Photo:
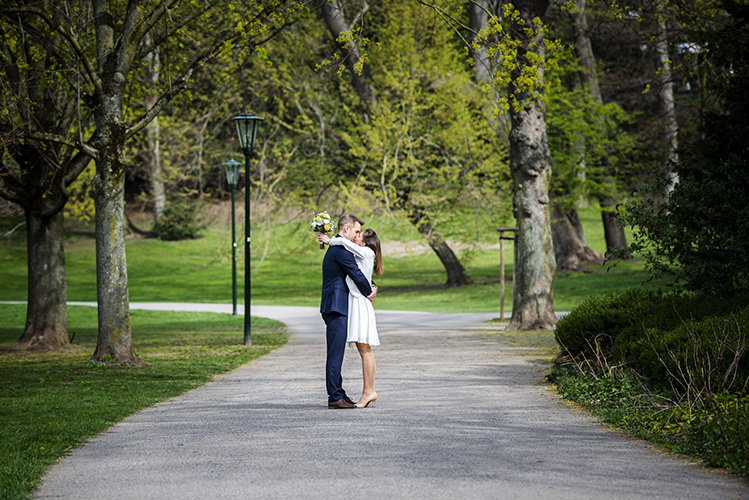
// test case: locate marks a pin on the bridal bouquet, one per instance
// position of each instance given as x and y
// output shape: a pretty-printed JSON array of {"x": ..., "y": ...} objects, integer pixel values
[{"x": 322, "y": 223}]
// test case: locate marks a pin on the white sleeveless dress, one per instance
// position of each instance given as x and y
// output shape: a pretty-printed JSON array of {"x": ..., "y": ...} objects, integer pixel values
[{"x": 362, "y": 326}]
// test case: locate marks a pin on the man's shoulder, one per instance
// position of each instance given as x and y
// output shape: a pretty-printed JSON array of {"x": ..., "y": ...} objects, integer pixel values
[{"x": 334, "y": 253}]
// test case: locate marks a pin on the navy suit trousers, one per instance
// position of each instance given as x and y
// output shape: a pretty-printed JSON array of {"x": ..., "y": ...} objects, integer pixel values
[{"x": 336, "y": 330}]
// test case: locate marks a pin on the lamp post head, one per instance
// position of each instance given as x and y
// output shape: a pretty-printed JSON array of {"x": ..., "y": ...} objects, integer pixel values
[
  {"x": 232, "y": 172},
  {"x": 247, "y": 130}
]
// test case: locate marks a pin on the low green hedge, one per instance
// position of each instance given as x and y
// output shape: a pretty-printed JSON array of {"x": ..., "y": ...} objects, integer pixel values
[{"x": 657, "y": 334}]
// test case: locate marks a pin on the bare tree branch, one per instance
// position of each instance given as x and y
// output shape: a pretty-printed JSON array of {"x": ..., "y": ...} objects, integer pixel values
[
  {"x": 75, "y": 166},
  {"x": 156, "y": 15},
  {"x": 59, "y": 139},
  {"x": 90, "y": 71},
  {"x": 181, "y": 82}
]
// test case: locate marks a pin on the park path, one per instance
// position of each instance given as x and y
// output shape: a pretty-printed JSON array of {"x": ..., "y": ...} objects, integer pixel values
[{"x": 461, "y": 414}]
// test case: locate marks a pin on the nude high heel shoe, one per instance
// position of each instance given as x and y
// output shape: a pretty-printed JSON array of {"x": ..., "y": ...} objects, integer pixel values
[{"x": 371, "y": 399}]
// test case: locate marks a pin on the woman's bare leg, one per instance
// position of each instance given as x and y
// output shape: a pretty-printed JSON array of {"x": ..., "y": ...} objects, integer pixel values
[{"x": 368, "y": 371}]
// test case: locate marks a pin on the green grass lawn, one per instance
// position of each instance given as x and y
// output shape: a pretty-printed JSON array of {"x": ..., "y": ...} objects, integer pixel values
[
  {"x": 287, "y": 270},
  {"x": 53, "y": 401}
]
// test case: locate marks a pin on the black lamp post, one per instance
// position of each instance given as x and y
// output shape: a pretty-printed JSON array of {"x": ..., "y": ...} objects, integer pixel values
[
  {"x": 247, "y": 132},
  {"x": 232, "y": 177}
]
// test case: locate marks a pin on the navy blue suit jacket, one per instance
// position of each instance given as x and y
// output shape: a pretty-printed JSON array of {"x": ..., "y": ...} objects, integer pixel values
[{"x": 338, "y": 263}]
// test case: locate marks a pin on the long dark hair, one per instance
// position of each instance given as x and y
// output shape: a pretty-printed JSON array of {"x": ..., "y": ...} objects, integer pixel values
[{"x": 372, "y": 241}]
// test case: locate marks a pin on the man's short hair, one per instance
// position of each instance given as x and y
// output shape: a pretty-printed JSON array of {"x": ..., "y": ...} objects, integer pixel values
[{"x": 349, "y": 219}]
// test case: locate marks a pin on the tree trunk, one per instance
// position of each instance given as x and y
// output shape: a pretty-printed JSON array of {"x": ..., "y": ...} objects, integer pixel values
[
  {"x": 533, "y": 302},
  {"x": 114, "y": 338},
  {"x": 114, "y": 341},
  {"x": 615, "y": 237},
  {"x": 456, "y": 273},
  {"x": 478, "y": 17},
  {"x": 157, "y": 179},
  {"x": 666, "y": 95},
  {"x": 574, "y": 219},
  {"x": 570, "y": 252},
  {"x": 614, "y": 234},
  {"x": 332, "y": 13},
  {"x": 46, "y": 313},
  {"x": 158, "y": 193},
  {"x": 584, "y": 51}
]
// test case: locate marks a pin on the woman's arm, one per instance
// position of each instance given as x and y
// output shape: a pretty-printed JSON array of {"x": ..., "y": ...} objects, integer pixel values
[{"x": 352, "y": 247}]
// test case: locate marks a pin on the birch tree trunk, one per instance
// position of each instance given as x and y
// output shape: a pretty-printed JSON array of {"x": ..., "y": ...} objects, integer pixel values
[
  {"x": 533, "y": 302},
  {"x": 666, "y": 95},
  {"x": 158, "y": 193}
]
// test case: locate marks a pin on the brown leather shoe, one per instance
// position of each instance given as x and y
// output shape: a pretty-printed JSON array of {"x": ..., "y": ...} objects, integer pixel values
[
  {"x": 340, "y": 404},
  {"x": 348, "y": 400}
]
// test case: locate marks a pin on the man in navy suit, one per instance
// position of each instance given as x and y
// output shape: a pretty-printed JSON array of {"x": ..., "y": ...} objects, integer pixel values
[{"x": 337, "y": 264}]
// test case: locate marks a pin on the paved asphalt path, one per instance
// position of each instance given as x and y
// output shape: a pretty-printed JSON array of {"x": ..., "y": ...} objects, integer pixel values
[{"x": 461, "y": 414}]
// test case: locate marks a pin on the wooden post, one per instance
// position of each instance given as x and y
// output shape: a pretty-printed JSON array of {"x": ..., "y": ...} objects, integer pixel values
[{"x": 502, "y": 266}]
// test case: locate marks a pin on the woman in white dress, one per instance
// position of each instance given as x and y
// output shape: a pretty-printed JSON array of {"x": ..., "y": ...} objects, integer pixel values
[{"x": 362, "y": 326}]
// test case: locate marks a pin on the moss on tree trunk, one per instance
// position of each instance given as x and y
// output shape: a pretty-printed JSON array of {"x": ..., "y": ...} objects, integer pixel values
[{"x": 533, "y": 302}]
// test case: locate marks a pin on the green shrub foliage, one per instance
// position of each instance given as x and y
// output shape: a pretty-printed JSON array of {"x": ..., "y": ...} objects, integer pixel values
[
  {"x": 700, "y": 235},
  {"x": 718, "y": 432},
  {"x": 661, "y": 334},
  {"x": 180, "y": 220}
]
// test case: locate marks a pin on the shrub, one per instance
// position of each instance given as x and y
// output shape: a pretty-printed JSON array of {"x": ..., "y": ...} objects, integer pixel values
[
  {"x": 645, "y": 330},
  {"x": 703, "y": 357},
  {"x": 699, "y": 235},
  {"x": 180, "y": 220},
  {"x": 599, "y": 319},
  {"x": 718, "y": 432}
]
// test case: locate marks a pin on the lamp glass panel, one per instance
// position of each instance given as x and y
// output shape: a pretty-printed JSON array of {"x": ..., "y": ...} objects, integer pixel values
[
  {"x": 247, "y": 129},
  {"x": 242, "y": 125},
  {"x": 231, "y": 175},
  {"x": 232, "y": 172}
]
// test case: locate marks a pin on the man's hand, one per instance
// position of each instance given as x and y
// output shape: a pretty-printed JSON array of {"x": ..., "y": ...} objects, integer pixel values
[
  {"x": 323, "y": 238},
  {"x": 371, "y": 296}
]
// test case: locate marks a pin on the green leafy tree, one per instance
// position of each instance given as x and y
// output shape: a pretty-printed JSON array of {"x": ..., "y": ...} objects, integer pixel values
[
  {"x": 517, "y": 49},
  {"x": 427, "y": 148},
  {"x": 699, "y": 236},
  {"x": 398, "y": 111},
  {"x": 43, "y": 123},
  {"x": 108, "y": 50}
]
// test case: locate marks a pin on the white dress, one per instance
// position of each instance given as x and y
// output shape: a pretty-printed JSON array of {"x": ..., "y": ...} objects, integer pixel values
[{"x": 362, "y": 326}]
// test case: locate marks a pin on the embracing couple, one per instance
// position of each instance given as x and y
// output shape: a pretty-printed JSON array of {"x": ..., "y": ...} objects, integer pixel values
[{"x": 346, "y": 306}]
